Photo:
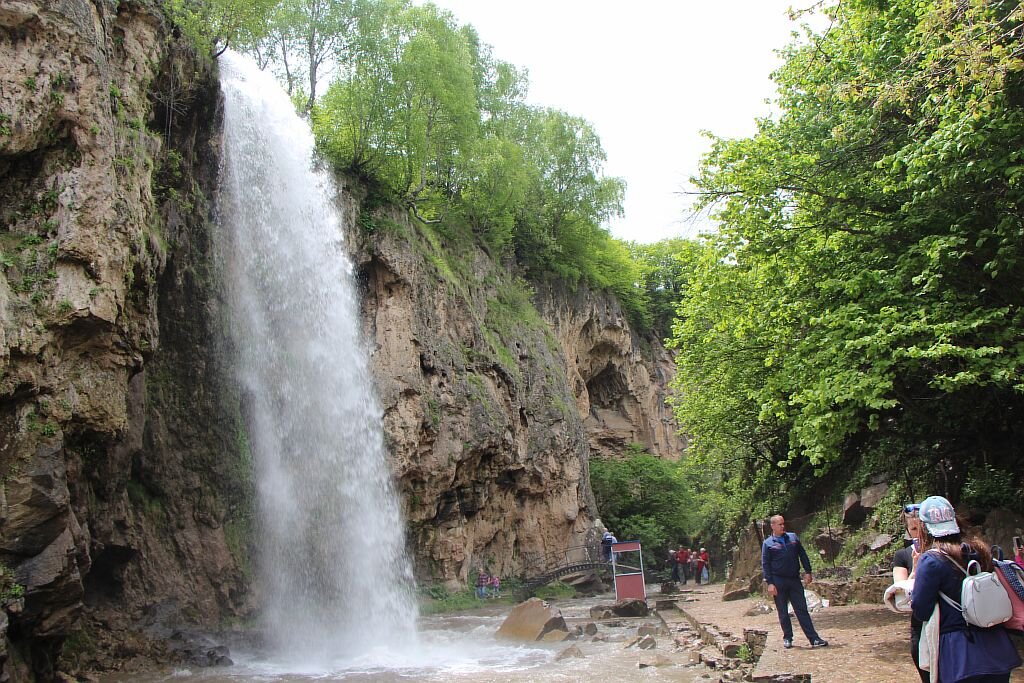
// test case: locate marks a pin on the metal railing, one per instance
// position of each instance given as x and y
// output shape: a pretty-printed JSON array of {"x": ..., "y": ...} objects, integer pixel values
[{"x": 537, "y": 563}]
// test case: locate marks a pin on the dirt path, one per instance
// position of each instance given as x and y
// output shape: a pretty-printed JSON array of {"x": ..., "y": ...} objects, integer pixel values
[{"x": 867, "y": 643}]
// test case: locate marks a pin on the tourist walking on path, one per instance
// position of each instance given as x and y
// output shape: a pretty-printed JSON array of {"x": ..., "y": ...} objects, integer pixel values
[
  {"x": 683, "y": 560},
  {"x": 703, "y": 566},
  {"x": 902, "y": 570},
  {"x": 966, "y": 653},
  {"x": 674, "y": 563},
  {"x": 781, "y": 557}
]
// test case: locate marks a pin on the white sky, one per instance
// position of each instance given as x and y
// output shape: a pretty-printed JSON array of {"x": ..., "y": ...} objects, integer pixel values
[{"x": 649, "y": 75}]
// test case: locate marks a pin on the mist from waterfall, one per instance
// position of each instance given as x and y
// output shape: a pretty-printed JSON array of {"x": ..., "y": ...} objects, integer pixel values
[{"x": 334, "y": 579}]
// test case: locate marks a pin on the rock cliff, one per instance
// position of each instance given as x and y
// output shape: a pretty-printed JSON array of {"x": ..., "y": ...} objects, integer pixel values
[
  {"x": 124, "y": 486},
  {"x": 495, "y": 397},
  {"x": 126, "y": 505}
]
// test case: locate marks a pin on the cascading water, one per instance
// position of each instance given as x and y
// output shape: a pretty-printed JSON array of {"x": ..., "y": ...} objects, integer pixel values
[{"x": 335, "y": 583}]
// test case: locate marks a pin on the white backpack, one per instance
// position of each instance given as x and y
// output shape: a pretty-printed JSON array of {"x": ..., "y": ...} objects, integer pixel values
[{"x": 983, "y": 599}]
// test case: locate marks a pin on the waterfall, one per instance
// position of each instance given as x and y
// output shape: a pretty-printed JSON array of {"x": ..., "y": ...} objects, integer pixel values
[{"x": 334, "y": 581}]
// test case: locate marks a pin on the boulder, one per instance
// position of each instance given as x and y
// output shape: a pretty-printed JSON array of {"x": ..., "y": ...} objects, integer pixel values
[
  {"x": 858, "y": 506},
  {"x": 880, "y": 541},
  {"x": 630, "y": 608},
  {"x": 758, "y": 609},
  {"x": 590, "y": 628},
  {"x": 647, "y": 643},
  {"x": 854, "y": 513},
  {"x": 737, "y": 589},
  {"x": 871, "y": 496},
  {"x": 571, "y": 652},
  {"x": 829, "y": 542},
  {"x": 531, "y": 621}
]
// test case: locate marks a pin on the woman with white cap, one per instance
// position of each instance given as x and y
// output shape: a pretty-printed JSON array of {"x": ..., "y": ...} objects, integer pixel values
[{"x": 966, "y": 653}]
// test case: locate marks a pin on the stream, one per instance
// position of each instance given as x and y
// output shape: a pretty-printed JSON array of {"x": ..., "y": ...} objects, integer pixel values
[{"x": 460, "y": 647}]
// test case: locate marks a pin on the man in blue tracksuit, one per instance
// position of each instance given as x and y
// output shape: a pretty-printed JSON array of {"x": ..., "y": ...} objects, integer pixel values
[{"x": 781, "y": 557}]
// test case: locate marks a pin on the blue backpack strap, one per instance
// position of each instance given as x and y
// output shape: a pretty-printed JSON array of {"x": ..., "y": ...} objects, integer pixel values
[{"x": 1014, "y": 575}]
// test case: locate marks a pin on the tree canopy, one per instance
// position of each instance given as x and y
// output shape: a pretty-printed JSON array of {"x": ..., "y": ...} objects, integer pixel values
[{"x": 861, "y": 301}]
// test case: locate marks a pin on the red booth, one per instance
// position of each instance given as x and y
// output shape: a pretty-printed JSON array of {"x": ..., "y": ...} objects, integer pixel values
[{"x": 628, "y": 571}]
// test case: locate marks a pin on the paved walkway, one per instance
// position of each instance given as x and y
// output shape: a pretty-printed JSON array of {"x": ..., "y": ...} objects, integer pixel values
[{"x": 867, "y": 643}]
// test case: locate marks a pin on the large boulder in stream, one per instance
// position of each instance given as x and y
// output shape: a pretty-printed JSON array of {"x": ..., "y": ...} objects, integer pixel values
[
  {"x": 630, "y": 607},
  {"x": 531, "y": 621}
]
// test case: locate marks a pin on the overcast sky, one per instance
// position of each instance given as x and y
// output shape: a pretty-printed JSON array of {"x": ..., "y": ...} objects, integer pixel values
[{"x": 649, "y": 75}]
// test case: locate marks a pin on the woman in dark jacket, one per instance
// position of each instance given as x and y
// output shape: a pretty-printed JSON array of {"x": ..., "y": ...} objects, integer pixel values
[{"x": 967, "y": 654}]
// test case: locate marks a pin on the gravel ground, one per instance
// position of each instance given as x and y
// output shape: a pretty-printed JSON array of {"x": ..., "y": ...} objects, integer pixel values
[{"x": 867, "y": 643}]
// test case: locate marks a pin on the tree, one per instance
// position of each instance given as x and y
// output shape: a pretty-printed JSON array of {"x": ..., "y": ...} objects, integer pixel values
[
  {"x": 643, "y": 497},
  {"x": 865, "y": 291},
  {"x": 215, "y": 25}
]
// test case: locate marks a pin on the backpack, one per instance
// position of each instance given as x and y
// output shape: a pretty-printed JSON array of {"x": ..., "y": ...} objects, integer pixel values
[
  {"x": 983, "y": 600},
  {"x": 1011, "y": 575}
]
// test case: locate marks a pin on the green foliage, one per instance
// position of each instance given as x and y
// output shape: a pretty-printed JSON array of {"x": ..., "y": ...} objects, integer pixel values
[
  {"x": 990, "y": 487},
  {"x": 213, "y": 25},
  {"x": 863, "y": 296},
  {"x": 424, "y": 113},
  {"x": 556, "y": 590},
  {"x": 10, "y": 589},
  {"x": 438, "y": 600},
  {"x": 642, "y": 497}
]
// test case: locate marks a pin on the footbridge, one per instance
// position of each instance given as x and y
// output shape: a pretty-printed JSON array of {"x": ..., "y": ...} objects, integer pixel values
[{"x": 540, "y": 570}]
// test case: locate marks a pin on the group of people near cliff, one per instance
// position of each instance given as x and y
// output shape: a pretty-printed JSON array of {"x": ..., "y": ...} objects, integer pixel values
[
  {"x": 932, "y": 568},
  {"x": 687, "y": 563},
  {"x": 487, "y": 586}
]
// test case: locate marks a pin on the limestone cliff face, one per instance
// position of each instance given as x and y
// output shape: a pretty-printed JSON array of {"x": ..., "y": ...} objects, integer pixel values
[
  {"x": 492, "y": 409},
  {"x": 121, "y": 473},
  {"x": 620, "y": 381}
]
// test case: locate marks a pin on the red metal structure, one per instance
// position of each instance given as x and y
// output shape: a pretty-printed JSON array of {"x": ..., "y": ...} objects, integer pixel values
[{"x": 628, "y": 578}]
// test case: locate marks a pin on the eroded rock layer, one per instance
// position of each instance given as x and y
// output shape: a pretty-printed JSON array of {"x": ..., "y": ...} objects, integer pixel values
[
  {"x": 495, "y": 396},
  {"x": 125, "y": 493}
]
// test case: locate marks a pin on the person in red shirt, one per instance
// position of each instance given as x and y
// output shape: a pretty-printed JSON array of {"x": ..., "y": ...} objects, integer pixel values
[
  {"x": 702, "y": 564},
  {"x": 683, "y": 562}
]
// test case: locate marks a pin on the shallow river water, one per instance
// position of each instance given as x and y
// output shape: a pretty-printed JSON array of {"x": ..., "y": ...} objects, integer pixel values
[{"x": 454, "y": 647}]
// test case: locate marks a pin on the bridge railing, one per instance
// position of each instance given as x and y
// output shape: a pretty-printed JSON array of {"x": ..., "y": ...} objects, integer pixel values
[{"x": 536, "y": 563}]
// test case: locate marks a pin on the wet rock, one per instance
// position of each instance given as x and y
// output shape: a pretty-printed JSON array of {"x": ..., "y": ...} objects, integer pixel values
[
  {"x": 199, "y": 650},
  {"x": 654, "y": 660},
  {"x": 647, "y": 643},
  {"x": 630, "y": 608},
  {"x": 532, "y": 620},
  {"x": 571, "y": 652},
  {"x": 652, "y": 630},
  {"x": 590, "y": 628}
]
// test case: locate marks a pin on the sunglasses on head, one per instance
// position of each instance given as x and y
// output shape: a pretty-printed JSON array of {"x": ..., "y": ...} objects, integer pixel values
[{"x": 913, "y": 507}]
